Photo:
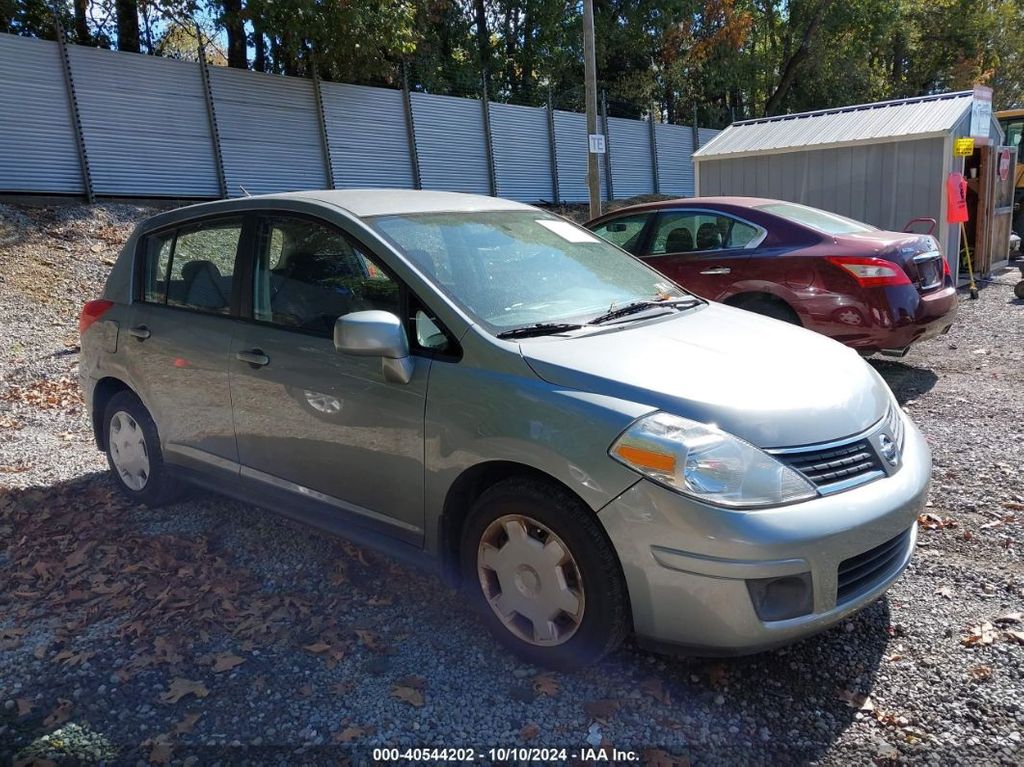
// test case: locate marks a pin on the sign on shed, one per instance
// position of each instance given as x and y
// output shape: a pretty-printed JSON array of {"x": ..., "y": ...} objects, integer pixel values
[
  {"x": 963, "y": 147},
  {"x": 981, "y": 111}
]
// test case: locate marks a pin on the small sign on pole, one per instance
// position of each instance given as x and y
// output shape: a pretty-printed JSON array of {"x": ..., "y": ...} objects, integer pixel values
[
  {"x": 1004, "y": 164},
  {"x": 963, "y": 147},
  {"x": 597, "y": 143}
]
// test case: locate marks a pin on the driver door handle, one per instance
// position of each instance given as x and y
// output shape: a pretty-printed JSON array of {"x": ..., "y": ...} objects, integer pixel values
[
  {"x": 254, "y": 357},
  {"x": 717, "y": 270},
  {"x": 141, "y": 332}
]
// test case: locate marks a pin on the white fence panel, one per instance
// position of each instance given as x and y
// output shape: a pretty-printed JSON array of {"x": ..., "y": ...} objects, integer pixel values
[
  {"x": 632, "y": 164},
  {"x": 571, "y": 146},
  {"x": 675, "y": 163},
  {"x": 269, "y": 132},
  {"x": 522, "y": 152},
  {"x": 37, "y": 139},
  {"x": 450, "y": 143},
  {"x": 368, "y": 136},
  {"x": 147, "y": 131}
]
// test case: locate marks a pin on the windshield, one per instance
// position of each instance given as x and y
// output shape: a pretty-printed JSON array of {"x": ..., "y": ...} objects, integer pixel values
[
  {"x": 821, "y": 220},
  {"x": 513, "y": 268}
]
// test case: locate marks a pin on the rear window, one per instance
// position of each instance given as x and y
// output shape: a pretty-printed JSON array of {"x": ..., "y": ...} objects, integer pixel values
[{"x": 819, "y": 220}]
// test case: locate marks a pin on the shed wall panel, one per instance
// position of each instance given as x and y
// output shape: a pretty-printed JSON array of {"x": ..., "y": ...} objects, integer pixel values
[
  {"x": 38, "y": 151},
  {"x": 269, "y": 132},
  {"x": 451, "y": 144},
  {"x": 145, "y": 123},
  {"x": 883, "y": 184},
  {"x": 522, "y": 155},
  {"x": 368, "y": 137}
]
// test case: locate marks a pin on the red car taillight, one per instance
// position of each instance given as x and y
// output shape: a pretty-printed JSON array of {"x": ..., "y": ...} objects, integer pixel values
[
  {"x": 91, "y": 312},
  {"x": 872, "y": 272}
]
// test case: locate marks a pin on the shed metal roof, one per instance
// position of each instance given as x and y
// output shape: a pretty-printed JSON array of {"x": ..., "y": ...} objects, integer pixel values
[{"x": 861, "y": 124}]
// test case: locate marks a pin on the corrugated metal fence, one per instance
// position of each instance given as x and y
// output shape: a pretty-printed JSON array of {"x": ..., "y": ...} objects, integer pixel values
[{"x": 77, "y": 120}]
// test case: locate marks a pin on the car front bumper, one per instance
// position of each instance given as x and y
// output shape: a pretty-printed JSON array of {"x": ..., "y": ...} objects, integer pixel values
[{"x": 688, "y": 564}]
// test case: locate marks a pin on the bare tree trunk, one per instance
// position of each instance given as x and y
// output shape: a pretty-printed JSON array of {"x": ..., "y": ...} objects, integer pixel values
[
  {"x": 234, "y": 25},
  {"x": 793, "y": 62},
  {"x": 670, "y": 104},
  {"x": 82, "y": 34},
  {"x": 127, "y": 12},
  {"x": 483, "y": 36}
]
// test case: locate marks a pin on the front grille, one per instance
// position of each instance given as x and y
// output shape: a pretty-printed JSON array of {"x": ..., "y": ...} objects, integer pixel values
[
  {"x": 863, "y": 572},
  {"x": 834, "y": 464}
]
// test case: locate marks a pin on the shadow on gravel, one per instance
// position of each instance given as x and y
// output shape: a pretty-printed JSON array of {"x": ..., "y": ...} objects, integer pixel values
[
  {"x": 906, "y": 381},
  {"x": 138, "y": 633}
]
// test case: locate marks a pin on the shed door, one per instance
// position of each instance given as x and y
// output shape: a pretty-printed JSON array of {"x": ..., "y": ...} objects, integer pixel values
[{"x": 1002, "y": 213}]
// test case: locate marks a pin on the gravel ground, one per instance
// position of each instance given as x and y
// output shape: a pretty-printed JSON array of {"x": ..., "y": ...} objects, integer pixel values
[{"x": 216, "y": 631}]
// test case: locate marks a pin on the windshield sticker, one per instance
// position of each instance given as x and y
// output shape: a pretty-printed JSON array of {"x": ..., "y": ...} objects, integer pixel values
[{"x": 567, "y": 231}]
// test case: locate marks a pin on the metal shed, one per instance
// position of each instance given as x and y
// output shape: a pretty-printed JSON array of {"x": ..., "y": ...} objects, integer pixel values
[{"x": 884, "y": 163}]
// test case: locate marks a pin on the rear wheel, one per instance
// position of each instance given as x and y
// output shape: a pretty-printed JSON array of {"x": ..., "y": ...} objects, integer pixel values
[
  {"x": 773, "y": 308},
  {"x": 543, "y": 574},
  {"x": 133, "y": 452}
]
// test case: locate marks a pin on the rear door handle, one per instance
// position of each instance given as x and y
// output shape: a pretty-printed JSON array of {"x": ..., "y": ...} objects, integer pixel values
[
  {"x": 141, "y": 332},
  {"x": 254, "y": 357},
  {"x": 717, "y": 270}
]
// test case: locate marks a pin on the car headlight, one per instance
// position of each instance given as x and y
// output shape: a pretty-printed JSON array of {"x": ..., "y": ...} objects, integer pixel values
[{"x": 706, "y": 463}]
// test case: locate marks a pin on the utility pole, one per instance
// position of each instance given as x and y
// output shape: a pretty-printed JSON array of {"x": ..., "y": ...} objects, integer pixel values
[{"x": 593, "y": 143}]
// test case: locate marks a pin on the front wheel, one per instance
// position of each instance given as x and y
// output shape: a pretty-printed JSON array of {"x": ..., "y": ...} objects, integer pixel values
[
  {"x": 544, "y": 575},
  {"x": 133, "y": 452}
]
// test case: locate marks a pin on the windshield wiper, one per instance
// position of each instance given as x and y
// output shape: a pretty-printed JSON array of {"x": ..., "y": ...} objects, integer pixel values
[
  {"x": 639, "y": 306},
  {"x": 538, "y": 329}
]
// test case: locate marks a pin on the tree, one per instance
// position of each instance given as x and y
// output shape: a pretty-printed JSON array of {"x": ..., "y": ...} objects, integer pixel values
[{"x": 127, "y": 14}]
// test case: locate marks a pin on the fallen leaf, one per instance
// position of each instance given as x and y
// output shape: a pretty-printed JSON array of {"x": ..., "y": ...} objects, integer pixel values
[
  {"x": 980, "y": 673},
  {"x": 342, "y": 688},
  {"x": 379, "y": 601},
  {"x": 1014, "y": 636},
  {"x": 408, "y": 694},
  {"x": 413, "y": 681},
  {"x": 370, "y": 639},
  {"x": 226, "y": 661},
  {"x": 944, "y": 591},
  {"x": 982, "y": 634},
  {"x": 545, "y": 684},
  {"x": 60, "y": 714},
  {"x": 1008, "y": 618},
  {"x": 654, "y": 687},
  {"x": 160, "y": 749},
  {"x": 317, "y": 647},
  {"x": 350, "y": 733},
  {"x": 529, "y": 732},
  {"x": 856, "y": 700},
  {"x": 931, "y": 521},
  {"x": 602, "y": 710},
  {"x": 25, "y": 706},
  {"x": 181, "y": 687},
  {"x": 187, "y": 723},
  {"x": 306, "y": 691}
]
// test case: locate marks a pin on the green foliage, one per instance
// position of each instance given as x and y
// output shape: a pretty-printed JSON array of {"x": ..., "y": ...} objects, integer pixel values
[{"x": 719, "y": 59}]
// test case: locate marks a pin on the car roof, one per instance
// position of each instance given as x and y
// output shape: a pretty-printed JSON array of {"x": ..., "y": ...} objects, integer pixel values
[
  {"x": 378, "y": 202},
  {"x": 693, "y": 202}
]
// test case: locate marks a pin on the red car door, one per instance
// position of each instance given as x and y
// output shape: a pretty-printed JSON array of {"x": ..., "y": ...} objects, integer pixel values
[{"x": 703, "y": 250}]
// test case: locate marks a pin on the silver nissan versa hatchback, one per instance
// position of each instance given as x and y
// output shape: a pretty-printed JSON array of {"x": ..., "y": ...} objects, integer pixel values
[{"x": 583, "y": 446}]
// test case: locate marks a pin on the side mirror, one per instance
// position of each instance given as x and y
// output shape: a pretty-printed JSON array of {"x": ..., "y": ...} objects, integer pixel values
[{"x": 376, "y": 334}]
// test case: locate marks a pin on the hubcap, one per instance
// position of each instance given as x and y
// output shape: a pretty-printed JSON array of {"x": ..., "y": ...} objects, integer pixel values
[
  {"x": 530, "y": 580},
  {"x": 128, "y": 450}
]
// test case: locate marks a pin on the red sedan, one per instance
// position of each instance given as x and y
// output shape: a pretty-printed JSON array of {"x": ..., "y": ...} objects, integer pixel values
[{"x": 873, "y": 290}]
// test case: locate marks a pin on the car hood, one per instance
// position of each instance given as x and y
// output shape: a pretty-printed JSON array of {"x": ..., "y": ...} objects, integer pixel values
[{"x": 771, "y": 383}]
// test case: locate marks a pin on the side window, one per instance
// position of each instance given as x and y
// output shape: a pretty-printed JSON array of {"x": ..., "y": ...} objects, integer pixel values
[
  {"x": 192, "y": 267},
  {"x": 675, "y": 233},
  {"x": 626, "y": 232},
  {"x": 157, "y": 263},
  {"x": 691, "y": 231},
  {"x": 309, "y": 273}
]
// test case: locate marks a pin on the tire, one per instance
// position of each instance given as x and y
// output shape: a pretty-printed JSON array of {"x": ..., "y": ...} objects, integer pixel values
[
  {"x": 777, "y": 310},
  {"x": 552, "y": 520},
  {"x": 1018, "y": 290},
  {"x": 136, "y": 460}
]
